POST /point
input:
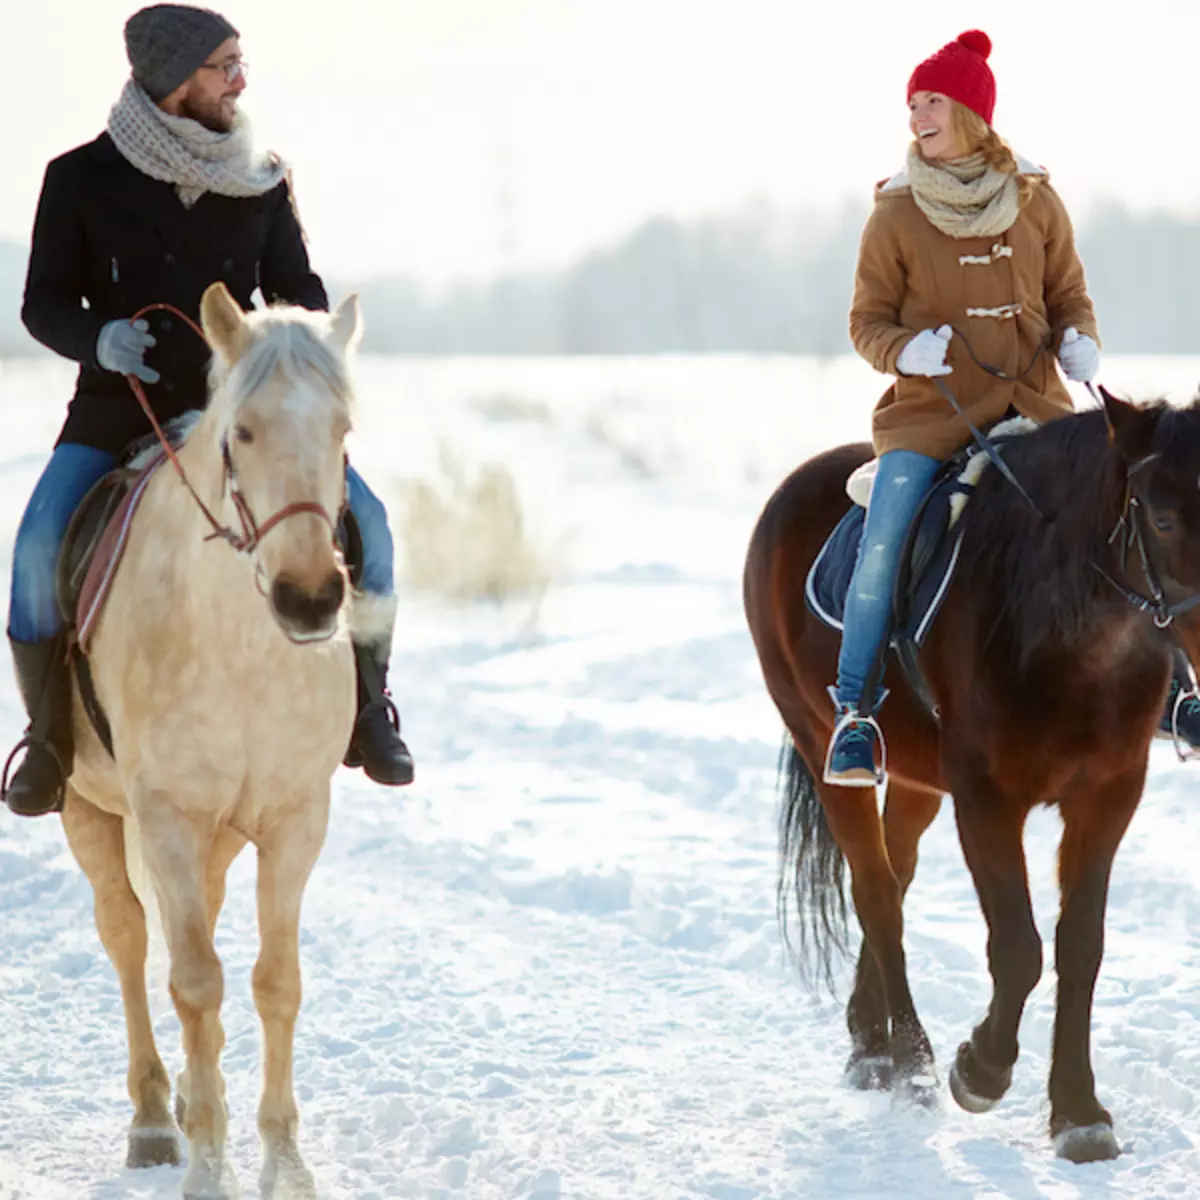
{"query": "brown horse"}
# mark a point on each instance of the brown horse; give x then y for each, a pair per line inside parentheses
(1049, 662)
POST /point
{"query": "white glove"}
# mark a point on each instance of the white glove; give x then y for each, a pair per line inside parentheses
(1079, 355)
(926, 353)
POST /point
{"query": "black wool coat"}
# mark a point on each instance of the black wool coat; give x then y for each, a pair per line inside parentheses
(108, 239)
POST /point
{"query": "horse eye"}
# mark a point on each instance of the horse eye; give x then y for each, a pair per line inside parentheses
(1164, 523)
(243, 434)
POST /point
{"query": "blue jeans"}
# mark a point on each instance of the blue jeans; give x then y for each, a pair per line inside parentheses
(900, 484)
(378, 573)
(33, 608)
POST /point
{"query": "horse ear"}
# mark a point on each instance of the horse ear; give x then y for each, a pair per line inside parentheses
(346, 323)
(1131, 427)
(224, 322)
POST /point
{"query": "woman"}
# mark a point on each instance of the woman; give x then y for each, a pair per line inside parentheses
(968, 237)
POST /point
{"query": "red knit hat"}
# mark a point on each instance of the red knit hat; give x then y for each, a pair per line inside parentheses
(959, 70)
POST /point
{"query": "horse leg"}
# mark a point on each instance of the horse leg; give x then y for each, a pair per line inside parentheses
(285, 859)
(990, 830)
(878, 895)
(225, 849)
(907, 813)
(176, 847)
(1093, 827)
(97, 841)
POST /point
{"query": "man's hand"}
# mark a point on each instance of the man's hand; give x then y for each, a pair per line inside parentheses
(121, 347)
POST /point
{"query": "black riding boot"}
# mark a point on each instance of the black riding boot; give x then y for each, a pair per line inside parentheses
(44, 677)
(376, 744)
(1182, 712)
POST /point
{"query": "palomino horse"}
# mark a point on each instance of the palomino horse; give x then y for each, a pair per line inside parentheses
(1050, 671)
(229, 685)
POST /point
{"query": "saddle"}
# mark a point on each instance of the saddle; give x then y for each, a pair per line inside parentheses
(927, 566)
(95, 542)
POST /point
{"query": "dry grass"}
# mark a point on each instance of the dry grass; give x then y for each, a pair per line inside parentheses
(466, 536)
(508, 406)
(633, 458)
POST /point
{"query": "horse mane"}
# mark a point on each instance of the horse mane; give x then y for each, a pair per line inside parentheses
(1034, 573)
(287, 343)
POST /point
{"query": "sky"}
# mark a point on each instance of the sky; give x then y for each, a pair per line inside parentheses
(459, 138)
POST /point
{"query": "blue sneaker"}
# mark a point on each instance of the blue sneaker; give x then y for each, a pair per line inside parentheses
(850, 761)
(1181, 717)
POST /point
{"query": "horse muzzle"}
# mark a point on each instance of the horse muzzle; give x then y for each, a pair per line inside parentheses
(305, 614)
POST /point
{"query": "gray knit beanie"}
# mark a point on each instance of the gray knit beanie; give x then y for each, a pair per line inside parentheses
(166, 43)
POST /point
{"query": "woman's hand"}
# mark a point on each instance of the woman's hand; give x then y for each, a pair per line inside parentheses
(1079, 355)
(926, 353)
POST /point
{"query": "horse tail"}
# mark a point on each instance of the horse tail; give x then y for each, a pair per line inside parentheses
(812, 871)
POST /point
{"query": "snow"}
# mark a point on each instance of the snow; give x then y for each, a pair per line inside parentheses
(551, 967)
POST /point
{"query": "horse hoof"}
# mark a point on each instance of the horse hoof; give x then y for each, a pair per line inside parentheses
(967, 1099)
(977, 1087)
(151, 1147)
(285, 1177)
(210, 1179)
(918, 1090)
(1087, 1143)
(869, 1074)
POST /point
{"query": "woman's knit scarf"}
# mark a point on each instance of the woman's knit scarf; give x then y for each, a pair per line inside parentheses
(181, 151)
(964, 197)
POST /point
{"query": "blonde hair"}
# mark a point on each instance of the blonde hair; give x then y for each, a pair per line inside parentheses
(976, 136)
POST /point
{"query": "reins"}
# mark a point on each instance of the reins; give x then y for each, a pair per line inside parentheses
(252, 534)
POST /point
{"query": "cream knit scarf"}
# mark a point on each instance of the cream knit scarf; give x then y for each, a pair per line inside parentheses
(964, 197)
(181, 151)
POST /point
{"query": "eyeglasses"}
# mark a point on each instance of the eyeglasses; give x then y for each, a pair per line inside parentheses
(235, 68)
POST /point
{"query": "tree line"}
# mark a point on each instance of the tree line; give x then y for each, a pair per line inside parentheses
(757, 281)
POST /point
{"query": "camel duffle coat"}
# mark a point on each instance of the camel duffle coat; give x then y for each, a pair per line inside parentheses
(1009, 295)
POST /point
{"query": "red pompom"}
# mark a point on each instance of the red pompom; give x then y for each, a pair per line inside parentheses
(976, 40)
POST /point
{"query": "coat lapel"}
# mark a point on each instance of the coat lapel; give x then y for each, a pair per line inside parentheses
(151, 199)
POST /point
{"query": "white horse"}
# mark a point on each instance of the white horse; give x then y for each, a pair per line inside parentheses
(228, 680)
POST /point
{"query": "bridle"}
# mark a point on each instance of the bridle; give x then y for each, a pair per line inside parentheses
(1129, 532)
(250, 537)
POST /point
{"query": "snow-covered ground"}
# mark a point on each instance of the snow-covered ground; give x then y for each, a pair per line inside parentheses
(551, 967)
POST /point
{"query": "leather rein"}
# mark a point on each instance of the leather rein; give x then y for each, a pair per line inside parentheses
(252, 533)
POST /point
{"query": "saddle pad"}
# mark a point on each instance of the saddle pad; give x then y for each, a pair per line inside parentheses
(926, 569)
(107, 556)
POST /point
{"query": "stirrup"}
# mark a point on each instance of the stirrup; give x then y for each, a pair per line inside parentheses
(851, 717)
(1184, 750)
(26, 743)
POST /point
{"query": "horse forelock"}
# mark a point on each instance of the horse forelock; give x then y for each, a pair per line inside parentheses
(286, 346)
(1177, 437)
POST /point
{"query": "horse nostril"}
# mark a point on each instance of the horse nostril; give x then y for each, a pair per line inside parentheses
(287, 598)
(332, 593)
(305, 608)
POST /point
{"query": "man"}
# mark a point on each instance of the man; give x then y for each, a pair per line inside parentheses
(171, 198)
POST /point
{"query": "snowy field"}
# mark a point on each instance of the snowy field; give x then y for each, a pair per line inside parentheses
(551, 967)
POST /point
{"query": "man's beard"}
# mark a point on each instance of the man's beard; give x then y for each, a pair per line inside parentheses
(211, 116)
